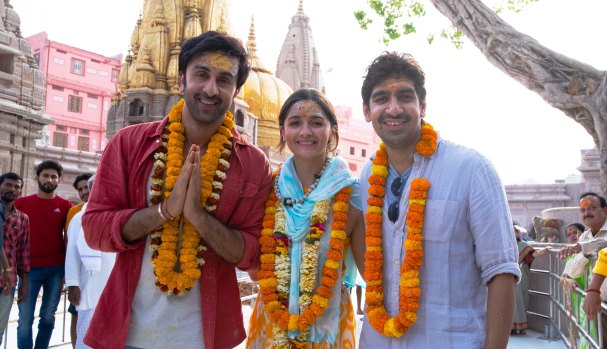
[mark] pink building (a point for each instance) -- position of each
(357, 140)
(79, 89)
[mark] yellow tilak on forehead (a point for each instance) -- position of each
(220, 61)
(585, 202)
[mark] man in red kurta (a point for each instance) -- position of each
(128, 204)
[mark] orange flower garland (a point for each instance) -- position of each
(274, 245)
(177, 274)
(409, 281)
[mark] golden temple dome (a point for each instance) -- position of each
(265, 95)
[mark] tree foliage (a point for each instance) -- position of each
(576, 88)
(400, 18)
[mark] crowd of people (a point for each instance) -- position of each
(176, 205)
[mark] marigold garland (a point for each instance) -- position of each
(177, 274)
(275, 268)
(409, 281)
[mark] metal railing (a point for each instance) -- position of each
(565, 310)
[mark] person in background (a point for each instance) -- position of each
(576, 268)
(573, 232)
(81, 186)
(47, 213)
(526, 255)
(16, 246)
(86, 273)
(593, 208)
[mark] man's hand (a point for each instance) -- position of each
(192, 208)
(568, 284)
(592, 304)
(8, 282)
(569, 250)
(73, 295)
(175, 203)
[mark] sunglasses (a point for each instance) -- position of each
(397, 188)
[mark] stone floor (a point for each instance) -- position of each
(529, 340)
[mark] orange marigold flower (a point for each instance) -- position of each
(267, 298)
(316, 309)
(375, 201)
(324, 291)
(332, 273)
(327, 281)
(293, 321)
(374, 256)
(373, 241)
(420, 184)
(377, 319)
(340, 206)
(338, 225)
(377, 180)
(373, 218)
(340, 216)
(336, 244)
(376, 190)
(283, 322)
(264, 274)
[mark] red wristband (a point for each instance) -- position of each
(593, 290)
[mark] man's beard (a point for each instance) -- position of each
(7, 198)
(48, 187)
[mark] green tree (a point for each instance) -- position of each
(577, 89)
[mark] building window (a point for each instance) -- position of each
(92, 96)
(77, 66)
(61, 128)
(239, 118)
(60, 140)
(83, 143)
(363, 153)
(57, 88)
(84, 132)
(74, 104)
(115, 75)
(61, 51)
(37, 58)
(352, 151)
(6, 63)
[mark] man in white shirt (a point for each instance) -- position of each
(447, 254)
(86, 273)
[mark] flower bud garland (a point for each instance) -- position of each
(178, 274)
(275, 278)
(410, 291)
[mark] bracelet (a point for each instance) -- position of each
(593, 290)
(160, 213)
(165, 210)
(7, 269)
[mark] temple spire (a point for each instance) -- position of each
(252, 48)
(251, 44)
(300, 9)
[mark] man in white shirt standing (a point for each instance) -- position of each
(440, 263)
(86, 273)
